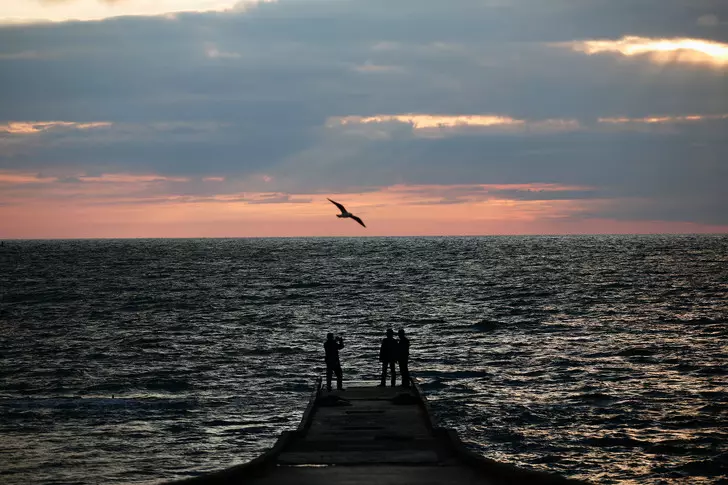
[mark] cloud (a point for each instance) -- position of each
(305, 97)
(679, 50)
(10, 177)
(29, 128)
(708, 20)
(28, 11)
(53, 2)
(435, 126)
(429, 125)
(213, 52)
(664, 119)
(246, 5)
(277, 199)
(369, 67)
(469, 193)
(21, 55)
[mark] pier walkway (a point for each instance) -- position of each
(372, 435)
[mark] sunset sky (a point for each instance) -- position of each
(213, 118)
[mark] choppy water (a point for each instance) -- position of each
(131, 361)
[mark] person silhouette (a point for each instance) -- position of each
(388, 356)
(332, 347)
(403, 357)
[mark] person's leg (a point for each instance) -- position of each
(329, 371)
(394, 374)
(384, 374)
(404, 370)
(337, 369)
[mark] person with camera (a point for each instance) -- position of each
(388, 354)
(332, 347)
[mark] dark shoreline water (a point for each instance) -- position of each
(130, 361)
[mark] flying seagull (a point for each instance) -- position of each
(346, 213)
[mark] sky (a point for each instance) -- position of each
(215, 118)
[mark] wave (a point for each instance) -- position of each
(636, 352)
(488, 325)
(710, 467)
(169, 385)
(616, 442)
(192, 337)
(595, 397)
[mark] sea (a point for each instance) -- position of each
(603, 358)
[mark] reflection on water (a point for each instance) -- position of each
(597, 357)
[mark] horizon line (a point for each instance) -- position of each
(142, 238)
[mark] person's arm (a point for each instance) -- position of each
(341, 344)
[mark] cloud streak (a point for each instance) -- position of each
(28, 12)
(675, 50)
(33, 127)
(693, 118)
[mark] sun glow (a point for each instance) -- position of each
(683, 50)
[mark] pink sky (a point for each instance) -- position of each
(105, 207)
(239, 118)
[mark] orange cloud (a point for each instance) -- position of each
(24, 11)
(442, 124)
(32, 127)
(423, 121)
(682, 50)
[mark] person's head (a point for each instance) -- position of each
(329, 336)
(390, 332)
(400, 332)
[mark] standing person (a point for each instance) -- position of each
(332, 347)
(388, 356)
(403, 357)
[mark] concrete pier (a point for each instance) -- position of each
(372, 435)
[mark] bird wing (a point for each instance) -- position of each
(341, 207)
(358, 220)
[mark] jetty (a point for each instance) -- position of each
(367, 434)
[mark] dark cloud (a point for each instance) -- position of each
(233, 150)
(240, 94)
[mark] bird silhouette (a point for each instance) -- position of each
(345, 213)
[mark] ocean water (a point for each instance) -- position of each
(133, 361)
